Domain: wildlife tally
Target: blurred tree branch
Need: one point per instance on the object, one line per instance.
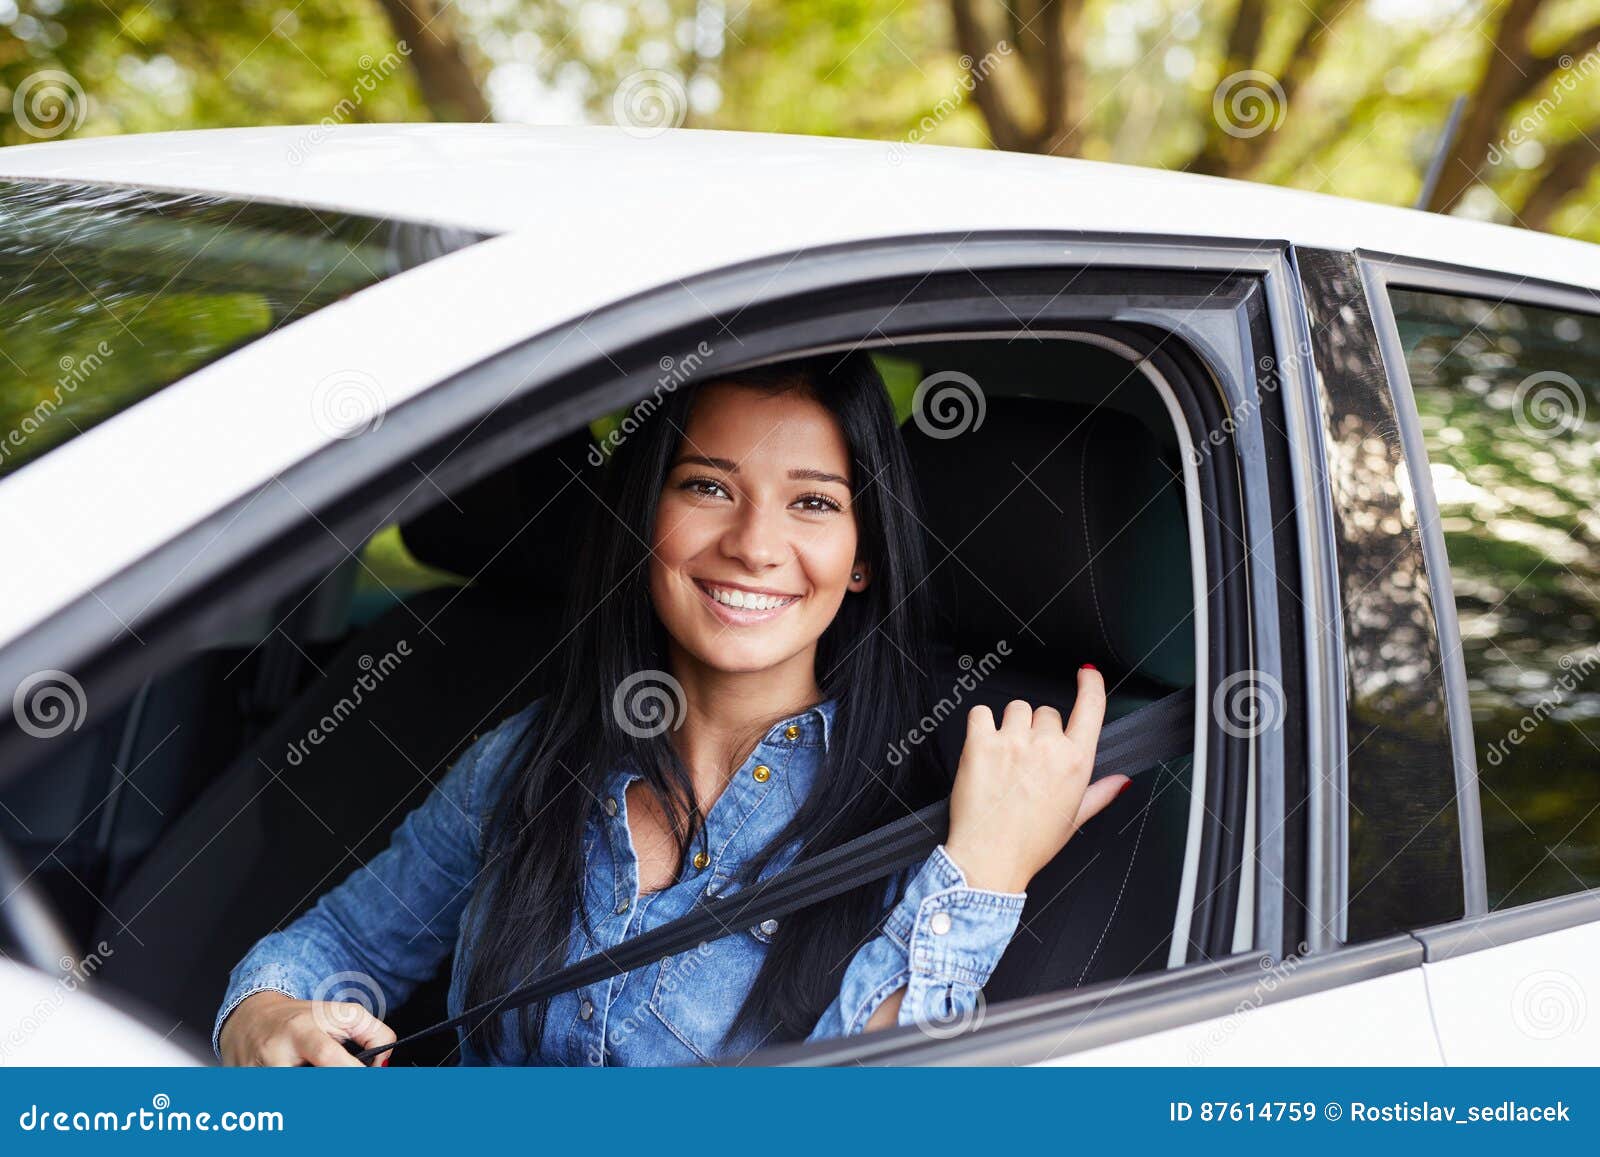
(1513, 73)
(446, 80)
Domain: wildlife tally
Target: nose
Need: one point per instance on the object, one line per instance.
(755, 537)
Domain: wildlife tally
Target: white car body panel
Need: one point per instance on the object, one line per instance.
(802, 191)
(59, 1022)
(1382, 1021)
(590, 216)
(597, 218)
(1531, 1002)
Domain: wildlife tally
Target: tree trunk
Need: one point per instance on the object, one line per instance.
(1507, 73)
(1568, 172)
(444, 77)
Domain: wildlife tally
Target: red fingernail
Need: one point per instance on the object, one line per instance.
(1126, 784)
(1088, 667)
(383, 1064)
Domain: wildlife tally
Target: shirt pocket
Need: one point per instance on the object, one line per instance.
(698, 993)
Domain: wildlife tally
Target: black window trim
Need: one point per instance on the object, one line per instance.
(266, 539)
(1478, 928)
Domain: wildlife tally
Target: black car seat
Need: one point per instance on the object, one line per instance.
(1061, 529)
(220, 878)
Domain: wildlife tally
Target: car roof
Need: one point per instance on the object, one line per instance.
(508, 178)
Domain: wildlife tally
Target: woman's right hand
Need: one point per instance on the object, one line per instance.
(269, 1028)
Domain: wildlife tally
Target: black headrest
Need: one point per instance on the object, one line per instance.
(516, 529)
(1066, 519)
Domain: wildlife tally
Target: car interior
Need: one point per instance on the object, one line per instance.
(195, 819)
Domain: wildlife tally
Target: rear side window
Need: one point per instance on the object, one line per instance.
(112, 293)
(1509, 400)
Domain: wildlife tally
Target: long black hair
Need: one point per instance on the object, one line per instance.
(873, 659)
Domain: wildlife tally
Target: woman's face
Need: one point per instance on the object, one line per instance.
(755, 532)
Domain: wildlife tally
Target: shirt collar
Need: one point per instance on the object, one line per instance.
(813, 727)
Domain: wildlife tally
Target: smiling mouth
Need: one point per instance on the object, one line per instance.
(738, 607)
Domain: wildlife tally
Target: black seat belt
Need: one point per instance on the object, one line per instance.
(1163, 730)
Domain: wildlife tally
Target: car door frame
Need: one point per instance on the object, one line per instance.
(255, 541)
(1465, 960)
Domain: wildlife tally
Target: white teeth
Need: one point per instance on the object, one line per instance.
(746, 600)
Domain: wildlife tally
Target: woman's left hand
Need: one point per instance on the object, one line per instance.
(1022, 788)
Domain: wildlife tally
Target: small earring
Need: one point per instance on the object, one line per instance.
(856, 576)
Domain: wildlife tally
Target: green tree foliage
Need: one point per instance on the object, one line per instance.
(1332, 95)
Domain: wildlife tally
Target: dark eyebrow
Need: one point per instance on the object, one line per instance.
(732, 467)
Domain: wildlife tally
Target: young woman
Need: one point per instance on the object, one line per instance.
(748, 641)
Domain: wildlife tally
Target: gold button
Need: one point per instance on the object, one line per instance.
(791, 732)
(701, 859)
(761, 773)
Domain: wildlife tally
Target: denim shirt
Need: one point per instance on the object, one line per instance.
(389, 925)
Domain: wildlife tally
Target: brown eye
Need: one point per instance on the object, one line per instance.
(819, 503)
(703, 487)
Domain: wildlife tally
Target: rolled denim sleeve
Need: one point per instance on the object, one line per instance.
(940, 943)
(387, 926)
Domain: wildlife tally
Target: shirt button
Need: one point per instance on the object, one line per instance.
(940, 924)
(585, 1010)
(770, 927)
(762, 773)
(701, 860)
(611, 805)
(622, 907)
(791, 732)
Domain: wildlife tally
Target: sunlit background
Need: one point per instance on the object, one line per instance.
(1343, 96)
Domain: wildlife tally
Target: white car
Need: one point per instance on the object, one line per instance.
(280, 413)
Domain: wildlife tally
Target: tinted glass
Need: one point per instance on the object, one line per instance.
(1509, 400)
(112, 293)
